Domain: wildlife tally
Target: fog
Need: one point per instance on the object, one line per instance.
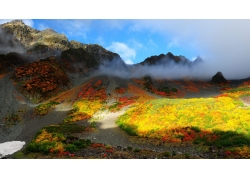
(8, 44)
(118, 68)
(224, 45)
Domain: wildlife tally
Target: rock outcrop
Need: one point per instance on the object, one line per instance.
(218, 78)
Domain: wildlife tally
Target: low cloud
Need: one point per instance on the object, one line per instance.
(224, 43)
(128, 61)
(169, 70)
(8, 43)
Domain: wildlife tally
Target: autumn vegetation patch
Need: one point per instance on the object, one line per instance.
(222, 121)
(90, 99)
(44, 108)
(41, 79)
(57, 139)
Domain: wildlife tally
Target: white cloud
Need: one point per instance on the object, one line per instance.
(123, 50)
(128, 61)
(136, 44)
(100, 41)
(152, 43)
(173, 43)
(114, 24)
(2, 21)
(73, 28)
(28, 22)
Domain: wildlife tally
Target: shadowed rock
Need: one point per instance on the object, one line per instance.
(218, 78)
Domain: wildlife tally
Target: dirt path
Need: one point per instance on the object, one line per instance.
(107, 132)
(246, 100)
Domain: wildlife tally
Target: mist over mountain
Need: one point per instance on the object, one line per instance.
(87, 59)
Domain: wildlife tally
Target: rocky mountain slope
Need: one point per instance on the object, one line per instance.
(169, 59)
(18, 37)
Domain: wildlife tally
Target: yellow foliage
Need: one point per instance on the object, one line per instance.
(154, 118)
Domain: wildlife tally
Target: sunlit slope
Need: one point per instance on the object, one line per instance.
(223, 120)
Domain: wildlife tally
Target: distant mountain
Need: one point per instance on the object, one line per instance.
(169, 59)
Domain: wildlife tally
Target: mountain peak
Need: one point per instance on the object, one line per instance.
(218, 78)
(49, 30)
(17, 22)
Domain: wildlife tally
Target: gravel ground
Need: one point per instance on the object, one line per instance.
(11, 101)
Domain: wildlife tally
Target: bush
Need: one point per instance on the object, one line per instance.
(43, 109)
(137, 150)
(71, 148)
(43, 147)
(166, 154)
(80, 144)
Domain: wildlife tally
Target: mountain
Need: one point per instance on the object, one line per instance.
(74, 56)
(169, 59)
(218, 78)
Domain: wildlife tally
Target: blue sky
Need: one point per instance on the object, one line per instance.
(133, 40)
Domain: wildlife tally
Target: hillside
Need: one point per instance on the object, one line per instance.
(66, 99)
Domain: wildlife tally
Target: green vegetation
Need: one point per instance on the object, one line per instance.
(242, 89)
(166, 154)
(114, 106)
(43, 109)
(57, 139)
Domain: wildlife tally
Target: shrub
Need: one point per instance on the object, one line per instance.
(71, 148)
(43, 109)
(166, 154)
(137, 150)
(43, 147)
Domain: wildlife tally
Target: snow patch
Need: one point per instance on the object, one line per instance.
(10, 147)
